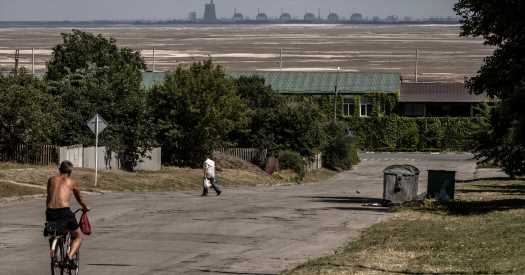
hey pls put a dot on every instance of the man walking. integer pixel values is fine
(209, 174)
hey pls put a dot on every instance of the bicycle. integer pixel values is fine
(59, 246)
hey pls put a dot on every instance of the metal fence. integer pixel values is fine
(31, 154)
(315, 163)
(247, 154)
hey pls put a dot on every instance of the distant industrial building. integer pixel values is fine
(333, 17)
(192, 16)
(309, 17)
(285, 17)
(356, 17)
(209, 12)
(261, 16)
(237, 16)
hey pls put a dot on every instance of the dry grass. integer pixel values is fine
(168, 179)
(480, 233)
(12, 190)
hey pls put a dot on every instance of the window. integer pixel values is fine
(365, 108)
(348, 106)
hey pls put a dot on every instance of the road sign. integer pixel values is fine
(92, 124)
(97, 124)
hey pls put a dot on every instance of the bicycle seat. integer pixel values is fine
(54, 229)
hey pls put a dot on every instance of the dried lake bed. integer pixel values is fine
(444, 55)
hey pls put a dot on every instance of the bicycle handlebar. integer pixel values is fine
(80, 209)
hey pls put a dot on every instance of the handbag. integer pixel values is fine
(85, 226)
(206, 183)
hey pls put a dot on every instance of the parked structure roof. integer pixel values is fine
(438, 93)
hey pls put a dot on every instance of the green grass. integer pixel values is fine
(482, 232)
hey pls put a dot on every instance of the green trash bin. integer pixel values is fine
(441, 185)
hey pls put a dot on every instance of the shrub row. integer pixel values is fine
(394, 133)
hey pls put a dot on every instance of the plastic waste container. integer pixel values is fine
(441, 185)
(400, 184)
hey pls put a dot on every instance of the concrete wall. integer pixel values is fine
(84, 157)
(72, 153)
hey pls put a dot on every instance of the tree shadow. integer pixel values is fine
(365, 204)
(425, 273)
(488, 179)
(362, 200)
(468, 208)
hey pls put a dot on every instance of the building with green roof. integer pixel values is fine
(349, 85)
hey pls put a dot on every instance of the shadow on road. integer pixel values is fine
(363, 203)
(424, 273)
(347, 199)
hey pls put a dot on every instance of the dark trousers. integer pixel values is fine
(213, 185)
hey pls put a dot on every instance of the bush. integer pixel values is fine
(294, 161)
(393, 133)
(340, 152)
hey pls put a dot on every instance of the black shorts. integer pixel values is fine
(63, 217)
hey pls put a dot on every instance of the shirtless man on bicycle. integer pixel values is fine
(59, 189)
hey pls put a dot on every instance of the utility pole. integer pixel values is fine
(281, 60)
(17, 59)
(417, 65)
(335, 93)
(153, 59)
(33, 61)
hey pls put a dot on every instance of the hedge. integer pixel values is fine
(394, 133)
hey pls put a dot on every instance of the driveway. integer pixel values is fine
(259, 230)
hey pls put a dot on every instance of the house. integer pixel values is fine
(352, 86)
(349, 85)
(437, 99)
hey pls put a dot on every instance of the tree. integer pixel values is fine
(195, 110)
(298, 125)
(90, 74)
(339, 151)
(28, 114)
(502, 76)
(262, 102)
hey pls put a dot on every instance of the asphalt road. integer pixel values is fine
(259, 230)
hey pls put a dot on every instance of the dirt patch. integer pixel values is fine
(224, 161)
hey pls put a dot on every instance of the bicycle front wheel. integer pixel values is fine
(77, 261)
(58, 260)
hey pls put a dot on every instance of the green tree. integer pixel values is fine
(90, 74)
(262, 102)
(195, 110)
(339, 151)
(298, 125)
(28, 114)
(502, 76)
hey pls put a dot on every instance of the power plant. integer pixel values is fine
(210, 16)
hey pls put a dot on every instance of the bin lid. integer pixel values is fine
(402, 170)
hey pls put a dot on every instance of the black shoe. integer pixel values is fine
(204, 195)
(219, 193)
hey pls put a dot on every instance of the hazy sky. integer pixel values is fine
(169, 9)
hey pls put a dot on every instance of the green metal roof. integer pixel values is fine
(326, 82)
(314, 83)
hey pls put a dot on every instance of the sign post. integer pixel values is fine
(97, 124)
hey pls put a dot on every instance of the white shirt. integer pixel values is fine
(209, 167)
